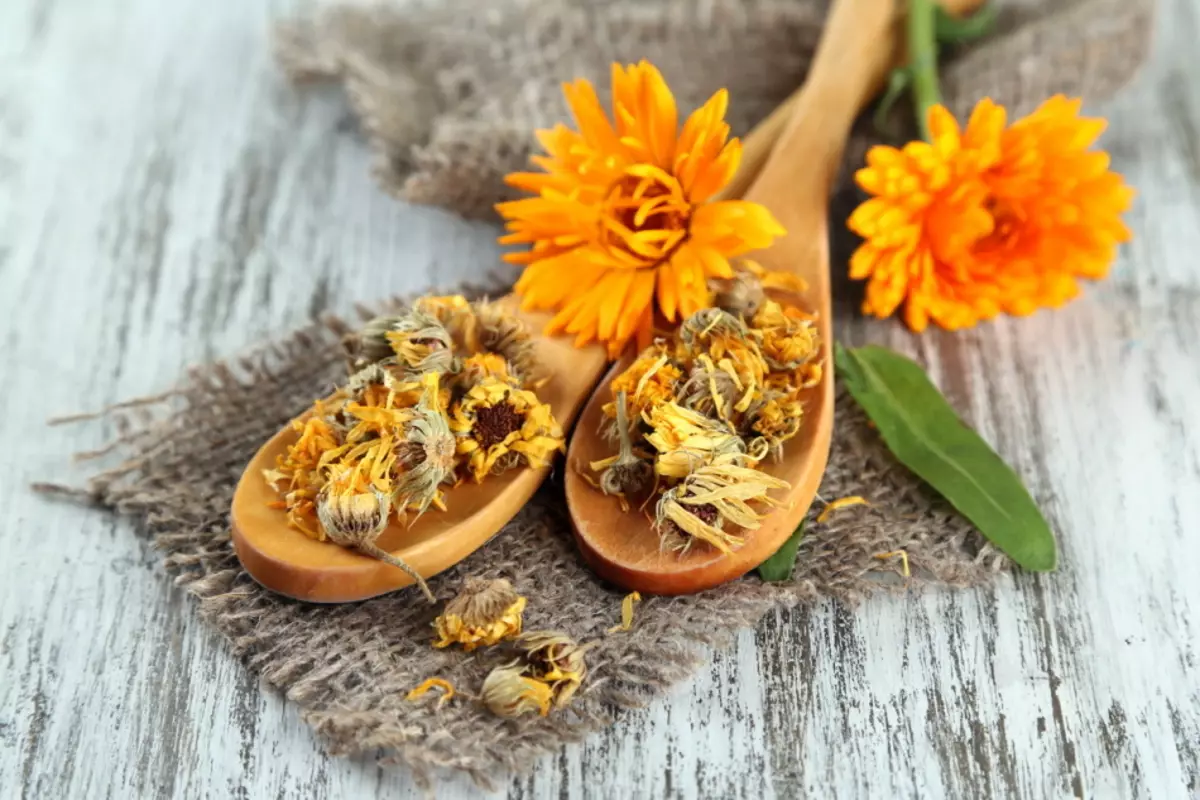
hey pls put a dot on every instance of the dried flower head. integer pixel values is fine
(483, 613)
(686, 439)
(497, 330)
(649, 381)
(555, 659)
(714, 494)
(988, 218)
(369, 345)
(776, 419)
(495, 419)
(422, 344)
(452, 311)
(628, 472)
(711, 389)
(426, 452)
(624, 220)
(789, 340)
(740, 295)
(475, 368)
(508, 692)
(354, 518)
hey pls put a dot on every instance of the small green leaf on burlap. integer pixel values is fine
(779, 566)
(924, 433)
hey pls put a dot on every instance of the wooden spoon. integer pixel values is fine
(854, 53)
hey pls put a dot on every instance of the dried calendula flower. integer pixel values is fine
(355, 519)
(500, 426)
(497, 330)
(421, 344)
(370, 345)
(556, 659)
(509, 692)
(777, 419)
(649, 381)
(474, 369)
(788, 340)
(686, 439)
(712, 495)
(712, 390)
(452, 311)
(484, 613)
(740, 295)
(627, 472)
(426, 452)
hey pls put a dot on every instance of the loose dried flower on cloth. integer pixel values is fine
(546, 676)
(437, 393)
(694, 416)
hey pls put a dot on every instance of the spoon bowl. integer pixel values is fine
(286, 561)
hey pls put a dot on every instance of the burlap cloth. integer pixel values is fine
(449, 97)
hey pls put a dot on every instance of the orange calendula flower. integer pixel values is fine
(624, 220)
(988, 219)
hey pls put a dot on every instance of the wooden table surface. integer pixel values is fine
(165, 198)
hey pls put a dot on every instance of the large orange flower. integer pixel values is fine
(988, 219)
(623, 213)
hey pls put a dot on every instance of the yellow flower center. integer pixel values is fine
(645, 217)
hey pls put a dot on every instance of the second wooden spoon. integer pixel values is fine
(854, 53)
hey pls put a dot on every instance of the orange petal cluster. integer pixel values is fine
(622, 220)
(988, 219)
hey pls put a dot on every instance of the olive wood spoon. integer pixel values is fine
(854, 53)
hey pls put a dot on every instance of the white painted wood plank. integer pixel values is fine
(165, 198)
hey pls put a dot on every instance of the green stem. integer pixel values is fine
(922, 64)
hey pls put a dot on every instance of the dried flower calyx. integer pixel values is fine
(550, 670)
(693, 417)
(484, 613)
(437, 392)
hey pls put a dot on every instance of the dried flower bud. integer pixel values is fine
(421, 344)
(625, 473)
(496, 330)
(475, 368)
(483, 613)
(555, 658)
(508, 692)
(427, 453)
(370, 345)
(707, 323)
(741, 295)
(711, 389)
(356, 519)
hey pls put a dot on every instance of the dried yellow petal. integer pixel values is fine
(626, 612)
(842, 502)
(431, 683)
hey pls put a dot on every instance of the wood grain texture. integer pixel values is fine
(165, 198)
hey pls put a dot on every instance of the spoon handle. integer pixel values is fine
(852, 59)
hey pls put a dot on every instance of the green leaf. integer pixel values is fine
(949, 29)
(925, 434)
(898, 80)
(779, 566)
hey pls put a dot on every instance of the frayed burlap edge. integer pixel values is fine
(350, 666)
